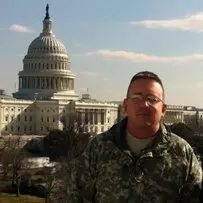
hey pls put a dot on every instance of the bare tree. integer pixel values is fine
(4, 159)
(13, 157)
(57, 182)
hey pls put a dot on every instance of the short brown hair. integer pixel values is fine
(145, 75)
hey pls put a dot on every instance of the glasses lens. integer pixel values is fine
(136, 97)
(152, 99)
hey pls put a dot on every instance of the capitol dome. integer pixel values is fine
(46, 70)
(46, 43)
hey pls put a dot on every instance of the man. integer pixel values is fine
(138, 160)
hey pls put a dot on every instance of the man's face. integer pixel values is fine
(144, 106)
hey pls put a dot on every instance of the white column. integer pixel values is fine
(31, 82)
(45, 82)
(35, 83)
(20, 83)
(27, 81)
(49, 82)
(53, 82)
(40, 82)
(66, 83)
(61, 83)
(99, 116)
(72, 84)
(25, 78)
(23, 82)
(96, 116)
(57, 83)
(83, 116)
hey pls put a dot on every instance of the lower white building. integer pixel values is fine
(174, 114)
(38, 117)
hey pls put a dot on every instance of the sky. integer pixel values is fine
(109, 41)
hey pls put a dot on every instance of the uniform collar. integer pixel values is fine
(157, 148)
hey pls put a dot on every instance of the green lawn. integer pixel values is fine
(8, 198)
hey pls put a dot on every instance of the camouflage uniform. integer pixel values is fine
(107, 172)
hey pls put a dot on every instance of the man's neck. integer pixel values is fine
(143, 132)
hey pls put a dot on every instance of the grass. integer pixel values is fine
(9, 198)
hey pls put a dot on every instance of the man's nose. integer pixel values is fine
(145, 103)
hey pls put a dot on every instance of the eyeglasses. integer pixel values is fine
(150, 99)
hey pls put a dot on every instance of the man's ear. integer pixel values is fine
(124, 106)
(164, 109)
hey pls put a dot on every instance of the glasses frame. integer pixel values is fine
(147, 98)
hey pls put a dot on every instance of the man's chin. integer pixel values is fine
(144, 125)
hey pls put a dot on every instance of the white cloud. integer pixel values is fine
(77, 44)
(20, 28)
(199, 85)
(90, 74)
(84, 89)
(141, 57)
(189, 23)
(20, 55)
(107, 79)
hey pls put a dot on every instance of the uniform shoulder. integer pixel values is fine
(178, 142)
(101, 138)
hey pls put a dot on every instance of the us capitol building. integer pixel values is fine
(46, 92)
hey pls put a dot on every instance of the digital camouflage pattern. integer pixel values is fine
(107, 172)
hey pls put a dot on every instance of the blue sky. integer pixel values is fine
(109, 41)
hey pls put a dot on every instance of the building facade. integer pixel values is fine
(46, 90)
(174, 114)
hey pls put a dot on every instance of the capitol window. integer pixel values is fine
(6, 118)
